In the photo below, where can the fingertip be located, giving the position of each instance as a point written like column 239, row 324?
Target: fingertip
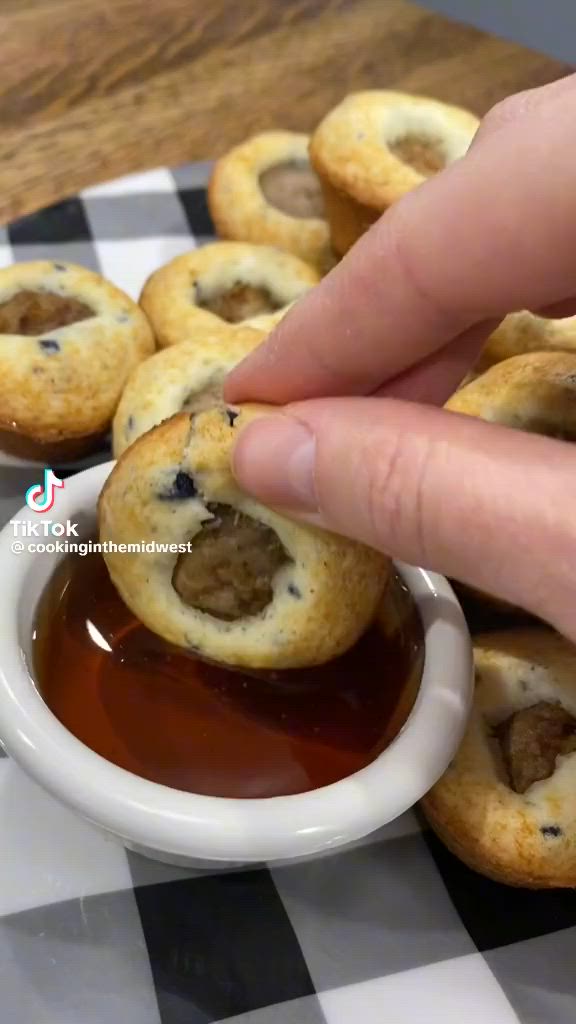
column 236, row 383
column 249, row 380
column 274, row 459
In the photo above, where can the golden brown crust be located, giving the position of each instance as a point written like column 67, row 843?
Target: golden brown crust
column 355, row 153
column 186, row 375
column 535, row 392
column 524, row 839
column 175, row 296
column 59, row 389
column 451, row 833
column 348, row 218
column 523, row 332
column 50, row 453
column 240, row 209
column 162, row 489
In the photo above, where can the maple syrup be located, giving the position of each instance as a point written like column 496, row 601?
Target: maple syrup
column 164, row 715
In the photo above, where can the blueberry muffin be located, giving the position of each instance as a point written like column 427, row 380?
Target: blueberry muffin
column 265, row 191
column 68, row 341
column 182, row 378
column 251, row 588
column 524, row 332
column 374, row 147
column 534, row 392
column 220, row 285
column 507, row 804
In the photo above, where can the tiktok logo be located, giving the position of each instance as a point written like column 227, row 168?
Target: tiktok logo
column 40, row 497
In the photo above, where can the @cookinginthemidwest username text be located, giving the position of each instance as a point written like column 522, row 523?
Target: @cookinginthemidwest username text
column 49, row 528
column 87, row 547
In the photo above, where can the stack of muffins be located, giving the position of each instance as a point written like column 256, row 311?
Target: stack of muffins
column 78, row 358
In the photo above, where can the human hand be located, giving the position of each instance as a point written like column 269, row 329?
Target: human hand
column 360, row 364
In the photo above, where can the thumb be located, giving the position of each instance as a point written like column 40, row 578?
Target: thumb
column 481, row 503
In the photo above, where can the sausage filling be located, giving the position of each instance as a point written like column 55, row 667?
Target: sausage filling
column 229, row 572
column 241, row 302
column 532, row 739
column 424, row 155
column 33, row 313
column 293, row 188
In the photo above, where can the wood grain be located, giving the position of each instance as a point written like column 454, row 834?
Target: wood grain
column 92, row 89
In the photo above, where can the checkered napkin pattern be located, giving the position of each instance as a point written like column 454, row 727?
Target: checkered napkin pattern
column 391, row 931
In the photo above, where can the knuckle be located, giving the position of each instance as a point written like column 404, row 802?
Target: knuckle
column 506, row 110
column 424, row 280
column 415, row 271
column 541, row 99
column 397, row 506
column 513, row 109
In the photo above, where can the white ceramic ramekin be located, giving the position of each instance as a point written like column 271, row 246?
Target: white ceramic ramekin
column 184, row 828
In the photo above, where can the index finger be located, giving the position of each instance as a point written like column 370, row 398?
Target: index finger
column 491, row 233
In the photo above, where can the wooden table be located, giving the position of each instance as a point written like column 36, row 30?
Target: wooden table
column 92, row 89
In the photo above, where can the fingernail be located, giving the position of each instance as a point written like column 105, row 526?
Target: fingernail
column 274, row 460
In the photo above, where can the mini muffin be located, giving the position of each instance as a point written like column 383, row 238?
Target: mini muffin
column 507, row 804
column 251, row 588
column 220, row 285
column 534, row 392
column 183, row 378
column 374, row 147
column 68, row 341
column 265, row 191
column 524, row 332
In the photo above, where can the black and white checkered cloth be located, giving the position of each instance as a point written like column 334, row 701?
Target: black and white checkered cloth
column 392, row 931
